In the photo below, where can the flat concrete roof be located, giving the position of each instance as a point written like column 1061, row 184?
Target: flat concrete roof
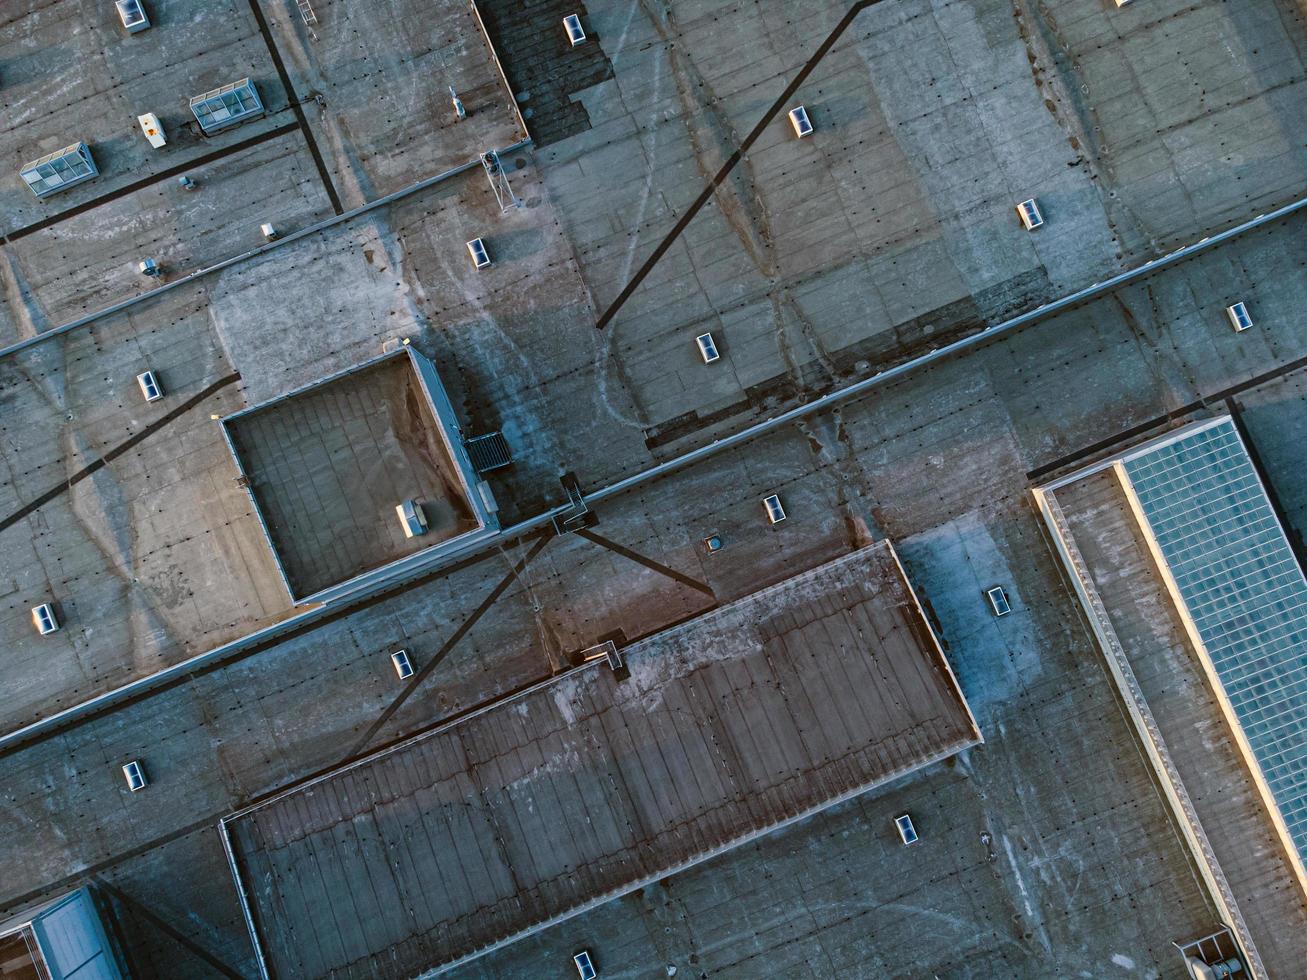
column 327, row 465
column 590, row 785
column 816, row 262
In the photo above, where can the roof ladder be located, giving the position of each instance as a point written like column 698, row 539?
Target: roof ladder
column 499, row 182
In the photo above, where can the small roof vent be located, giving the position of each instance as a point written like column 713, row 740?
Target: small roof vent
column 998, row 600
column 402, row 664
column 477, row 249
column 575, row 33
column 44, row 619
column 800, row 121
column 707, row 348
column 1239, row 318
column 132, row 14
column 150, row 386
column 907, row 832
column 1030, row 216
column 134, row 773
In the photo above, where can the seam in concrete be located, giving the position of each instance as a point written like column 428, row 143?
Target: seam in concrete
column 471, row 620
column 183, row 940
column 282, row 242
column 1224, row 395
column 706, row 194
column 295, row 106
column 116, row 451
column 640, row 559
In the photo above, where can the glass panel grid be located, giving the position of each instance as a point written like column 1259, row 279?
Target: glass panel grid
column 1242, row 587
column 56, row 171
column 227, row 106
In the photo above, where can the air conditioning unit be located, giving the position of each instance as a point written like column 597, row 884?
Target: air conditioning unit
column 150, row 386
column 707, row 348
column 132, row 14
column 134, row 773
column 477, row 249
column 186, row 183
column 269, row 232
column 775, row 512
column 998, row 599
column 403, row 665
column 149, row 267
column 152, row 129
column 1030, row 216
column 412, row 518
column 572, row 24
column 800, row 121
column 1239, row 318
column 44, row 619
column 1122, row 3
column 459, row 110
column 907, row 832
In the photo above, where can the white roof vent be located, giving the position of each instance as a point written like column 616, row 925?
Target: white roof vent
column 907, row 832
column 775, row 512
column 150, row 386
column 572, row 24
column 44, row 619
column 477, row 249
column 998, row 599
column 132, row 14
column 1239, row 318
column 152, row 129
column 403, row 665
column 412, row 517
column 134, row 773
column 1030, row 216
column 800, row 121
column 584, row 967
column 707, row 348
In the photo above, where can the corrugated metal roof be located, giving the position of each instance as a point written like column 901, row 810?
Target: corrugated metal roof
column 587, row 786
